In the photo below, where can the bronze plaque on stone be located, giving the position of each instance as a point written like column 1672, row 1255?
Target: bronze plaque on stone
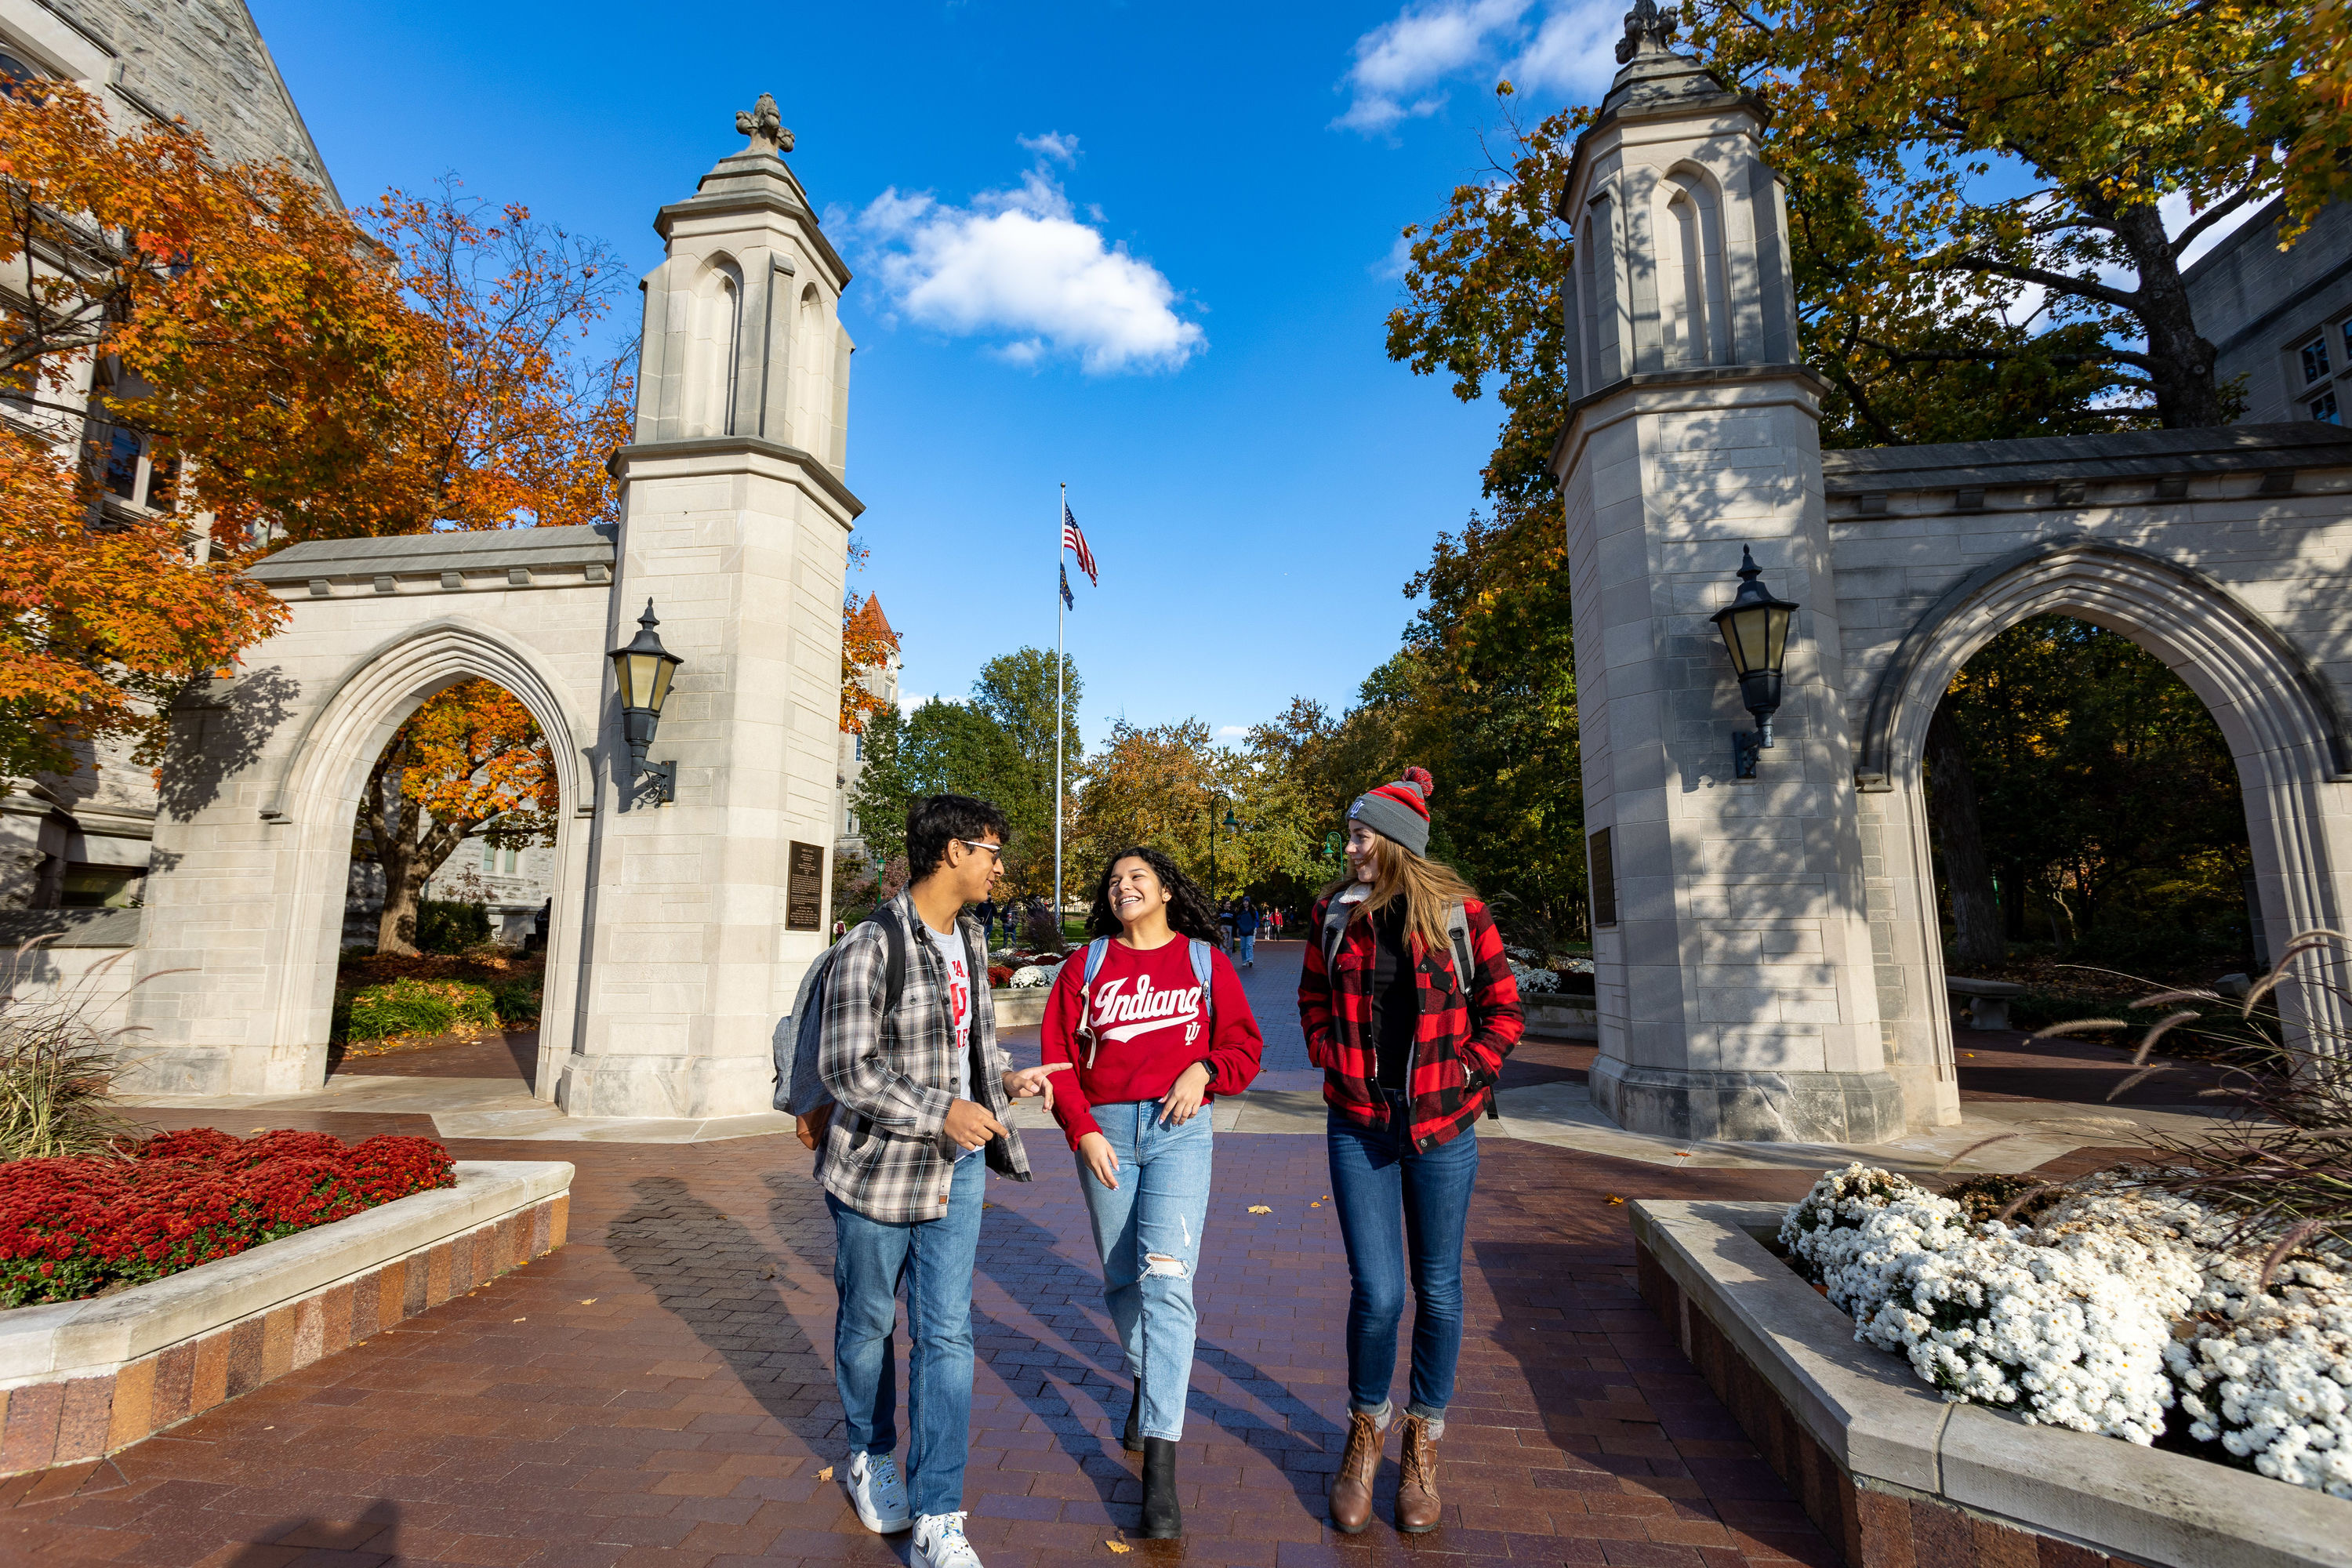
column 805, row 888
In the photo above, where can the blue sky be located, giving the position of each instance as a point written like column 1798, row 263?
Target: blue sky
column 1176, row 303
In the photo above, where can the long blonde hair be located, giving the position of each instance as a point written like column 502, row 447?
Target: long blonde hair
column 1426, row 886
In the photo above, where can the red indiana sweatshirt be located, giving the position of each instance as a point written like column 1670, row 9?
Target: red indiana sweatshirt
column 1144, row 1023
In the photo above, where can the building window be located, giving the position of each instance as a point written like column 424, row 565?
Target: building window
column 857, row 745
column 499, row 862
column 2315, row 359
column 14, row 74
column 2323, row 409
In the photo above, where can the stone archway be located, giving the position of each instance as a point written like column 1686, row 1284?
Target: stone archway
column 318, row 793
column 2278, row 714
column 240, row 936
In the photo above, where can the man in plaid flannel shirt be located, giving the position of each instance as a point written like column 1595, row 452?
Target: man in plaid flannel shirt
column 922, row 1089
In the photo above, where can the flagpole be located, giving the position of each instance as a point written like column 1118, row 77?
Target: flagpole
column 1061, row 606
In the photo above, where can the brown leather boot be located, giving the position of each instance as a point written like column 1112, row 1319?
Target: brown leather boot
column 1417, row 1491
column 1351, row 1488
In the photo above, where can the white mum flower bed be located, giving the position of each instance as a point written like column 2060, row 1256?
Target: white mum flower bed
column 2116, row 1309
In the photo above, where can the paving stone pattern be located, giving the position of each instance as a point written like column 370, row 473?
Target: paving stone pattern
column 661, row 1390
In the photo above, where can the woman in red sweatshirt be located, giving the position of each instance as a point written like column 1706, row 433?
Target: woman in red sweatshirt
column 1152, row 1015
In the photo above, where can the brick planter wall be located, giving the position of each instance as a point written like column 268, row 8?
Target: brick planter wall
column 78, row 1418
column 1897, row 1476
column 1872, row 1527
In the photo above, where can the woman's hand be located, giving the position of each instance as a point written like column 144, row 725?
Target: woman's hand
column 1028, row 1083
column 1183, row 1101
column 1100, row 1158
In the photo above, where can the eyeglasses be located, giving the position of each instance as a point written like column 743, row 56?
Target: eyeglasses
column 995, row 849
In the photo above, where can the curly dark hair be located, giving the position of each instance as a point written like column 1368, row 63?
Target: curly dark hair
column 1189, row 913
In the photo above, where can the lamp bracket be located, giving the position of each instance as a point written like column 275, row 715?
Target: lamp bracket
column 1744, row 745
column 641, row 779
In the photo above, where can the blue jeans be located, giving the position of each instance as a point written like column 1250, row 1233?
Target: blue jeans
column 1249, row 947
column 934, row 1257
column 1377, row 1180
column 1148, row 1229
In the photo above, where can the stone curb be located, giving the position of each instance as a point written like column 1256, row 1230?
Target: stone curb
column 1915, row 1467
column 81, row 1379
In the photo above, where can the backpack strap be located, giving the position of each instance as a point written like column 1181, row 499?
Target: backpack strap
column 894, row 957
column 1457, row 928
column 1334, row 928
column 1203, row 972
column 1096, row 951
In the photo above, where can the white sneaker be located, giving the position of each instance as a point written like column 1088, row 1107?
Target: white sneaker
column 877, row 1494
column 939, row 1542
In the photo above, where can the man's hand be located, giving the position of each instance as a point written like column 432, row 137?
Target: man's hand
column 1183, row 1101
column 972, row 1126
column 809, row 1129
column 1100, row 1158
column 1028, row 1083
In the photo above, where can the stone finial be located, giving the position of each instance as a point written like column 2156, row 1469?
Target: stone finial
column 764, row 124
column 1645, row 24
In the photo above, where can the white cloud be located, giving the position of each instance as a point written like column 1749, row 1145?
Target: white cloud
column 1017, row 266
column 1406, row 66
column 1233, row 729
column 1061, row 149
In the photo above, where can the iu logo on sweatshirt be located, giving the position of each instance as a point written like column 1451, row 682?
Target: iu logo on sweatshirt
column 1122, row 1011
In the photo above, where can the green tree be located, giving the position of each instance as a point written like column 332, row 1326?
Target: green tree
column 2021, row 144
column 1015, row 691
column 2106, row 789
column 950, row 748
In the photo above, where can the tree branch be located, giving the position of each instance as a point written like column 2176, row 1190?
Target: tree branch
column 2056, row 282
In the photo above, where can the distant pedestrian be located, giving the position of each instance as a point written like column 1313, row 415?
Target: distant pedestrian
column 1245, row 934
column 1409, row 1007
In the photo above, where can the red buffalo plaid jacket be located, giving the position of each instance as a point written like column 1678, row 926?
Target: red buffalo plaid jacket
column 1454, row 1065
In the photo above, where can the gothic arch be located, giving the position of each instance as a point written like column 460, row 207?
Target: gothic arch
column 1695, row 307
column 319, row 794
column 714, row 348
column 2279, row 716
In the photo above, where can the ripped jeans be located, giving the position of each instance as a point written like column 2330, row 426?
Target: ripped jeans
column 1148, row 1229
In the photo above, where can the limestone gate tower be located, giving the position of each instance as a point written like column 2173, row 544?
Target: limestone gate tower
column 735, row 525
column 1732, row 953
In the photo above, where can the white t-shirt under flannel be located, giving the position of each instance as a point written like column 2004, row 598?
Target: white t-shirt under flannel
column 951, row 947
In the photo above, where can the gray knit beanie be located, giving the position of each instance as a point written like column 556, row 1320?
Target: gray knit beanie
column 1398, row 811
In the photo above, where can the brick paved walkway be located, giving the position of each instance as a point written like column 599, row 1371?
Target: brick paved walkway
column 660, row 1392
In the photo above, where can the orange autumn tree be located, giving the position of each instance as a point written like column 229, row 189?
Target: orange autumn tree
column 224, row 308
column 510, row 420
column 867, row 640
column 469, row 760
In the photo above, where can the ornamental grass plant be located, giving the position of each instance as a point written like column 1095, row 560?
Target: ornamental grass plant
column 56, row 1069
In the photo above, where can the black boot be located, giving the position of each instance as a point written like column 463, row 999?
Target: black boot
column 1162, row 1519
column 1132, row 1439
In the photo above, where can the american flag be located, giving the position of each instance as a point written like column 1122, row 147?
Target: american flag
column 1075, row 538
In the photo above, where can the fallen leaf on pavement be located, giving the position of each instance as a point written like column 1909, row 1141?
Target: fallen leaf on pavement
column 1120, row 1546
column 1615, row 1198
column 767, row 1271
column 522, row 1319
column 1260, row 1209
column 1315, row 1206
column 587, row 1300
column 825, row 1474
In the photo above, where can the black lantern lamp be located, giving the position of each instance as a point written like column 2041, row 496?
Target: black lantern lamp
column 1755, row 627
column 643, row 670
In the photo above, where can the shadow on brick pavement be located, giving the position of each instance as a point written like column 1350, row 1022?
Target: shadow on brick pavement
column 660, row 1392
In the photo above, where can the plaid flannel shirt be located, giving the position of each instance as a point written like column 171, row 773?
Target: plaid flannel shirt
column 1454, row 1067
column 886, row 1153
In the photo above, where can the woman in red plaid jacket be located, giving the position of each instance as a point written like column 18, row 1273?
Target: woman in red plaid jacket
column 1409, row 1007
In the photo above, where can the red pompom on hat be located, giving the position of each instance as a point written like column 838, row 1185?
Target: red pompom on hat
column 1398, row 811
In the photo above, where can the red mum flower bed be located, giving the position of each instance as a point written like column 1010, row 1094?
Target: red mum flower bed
column 71, row 1228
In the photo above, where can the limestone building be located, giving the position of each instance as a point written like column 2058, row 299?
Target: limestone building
column 84, row 840
column 882, row 680
column 2282, row 319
